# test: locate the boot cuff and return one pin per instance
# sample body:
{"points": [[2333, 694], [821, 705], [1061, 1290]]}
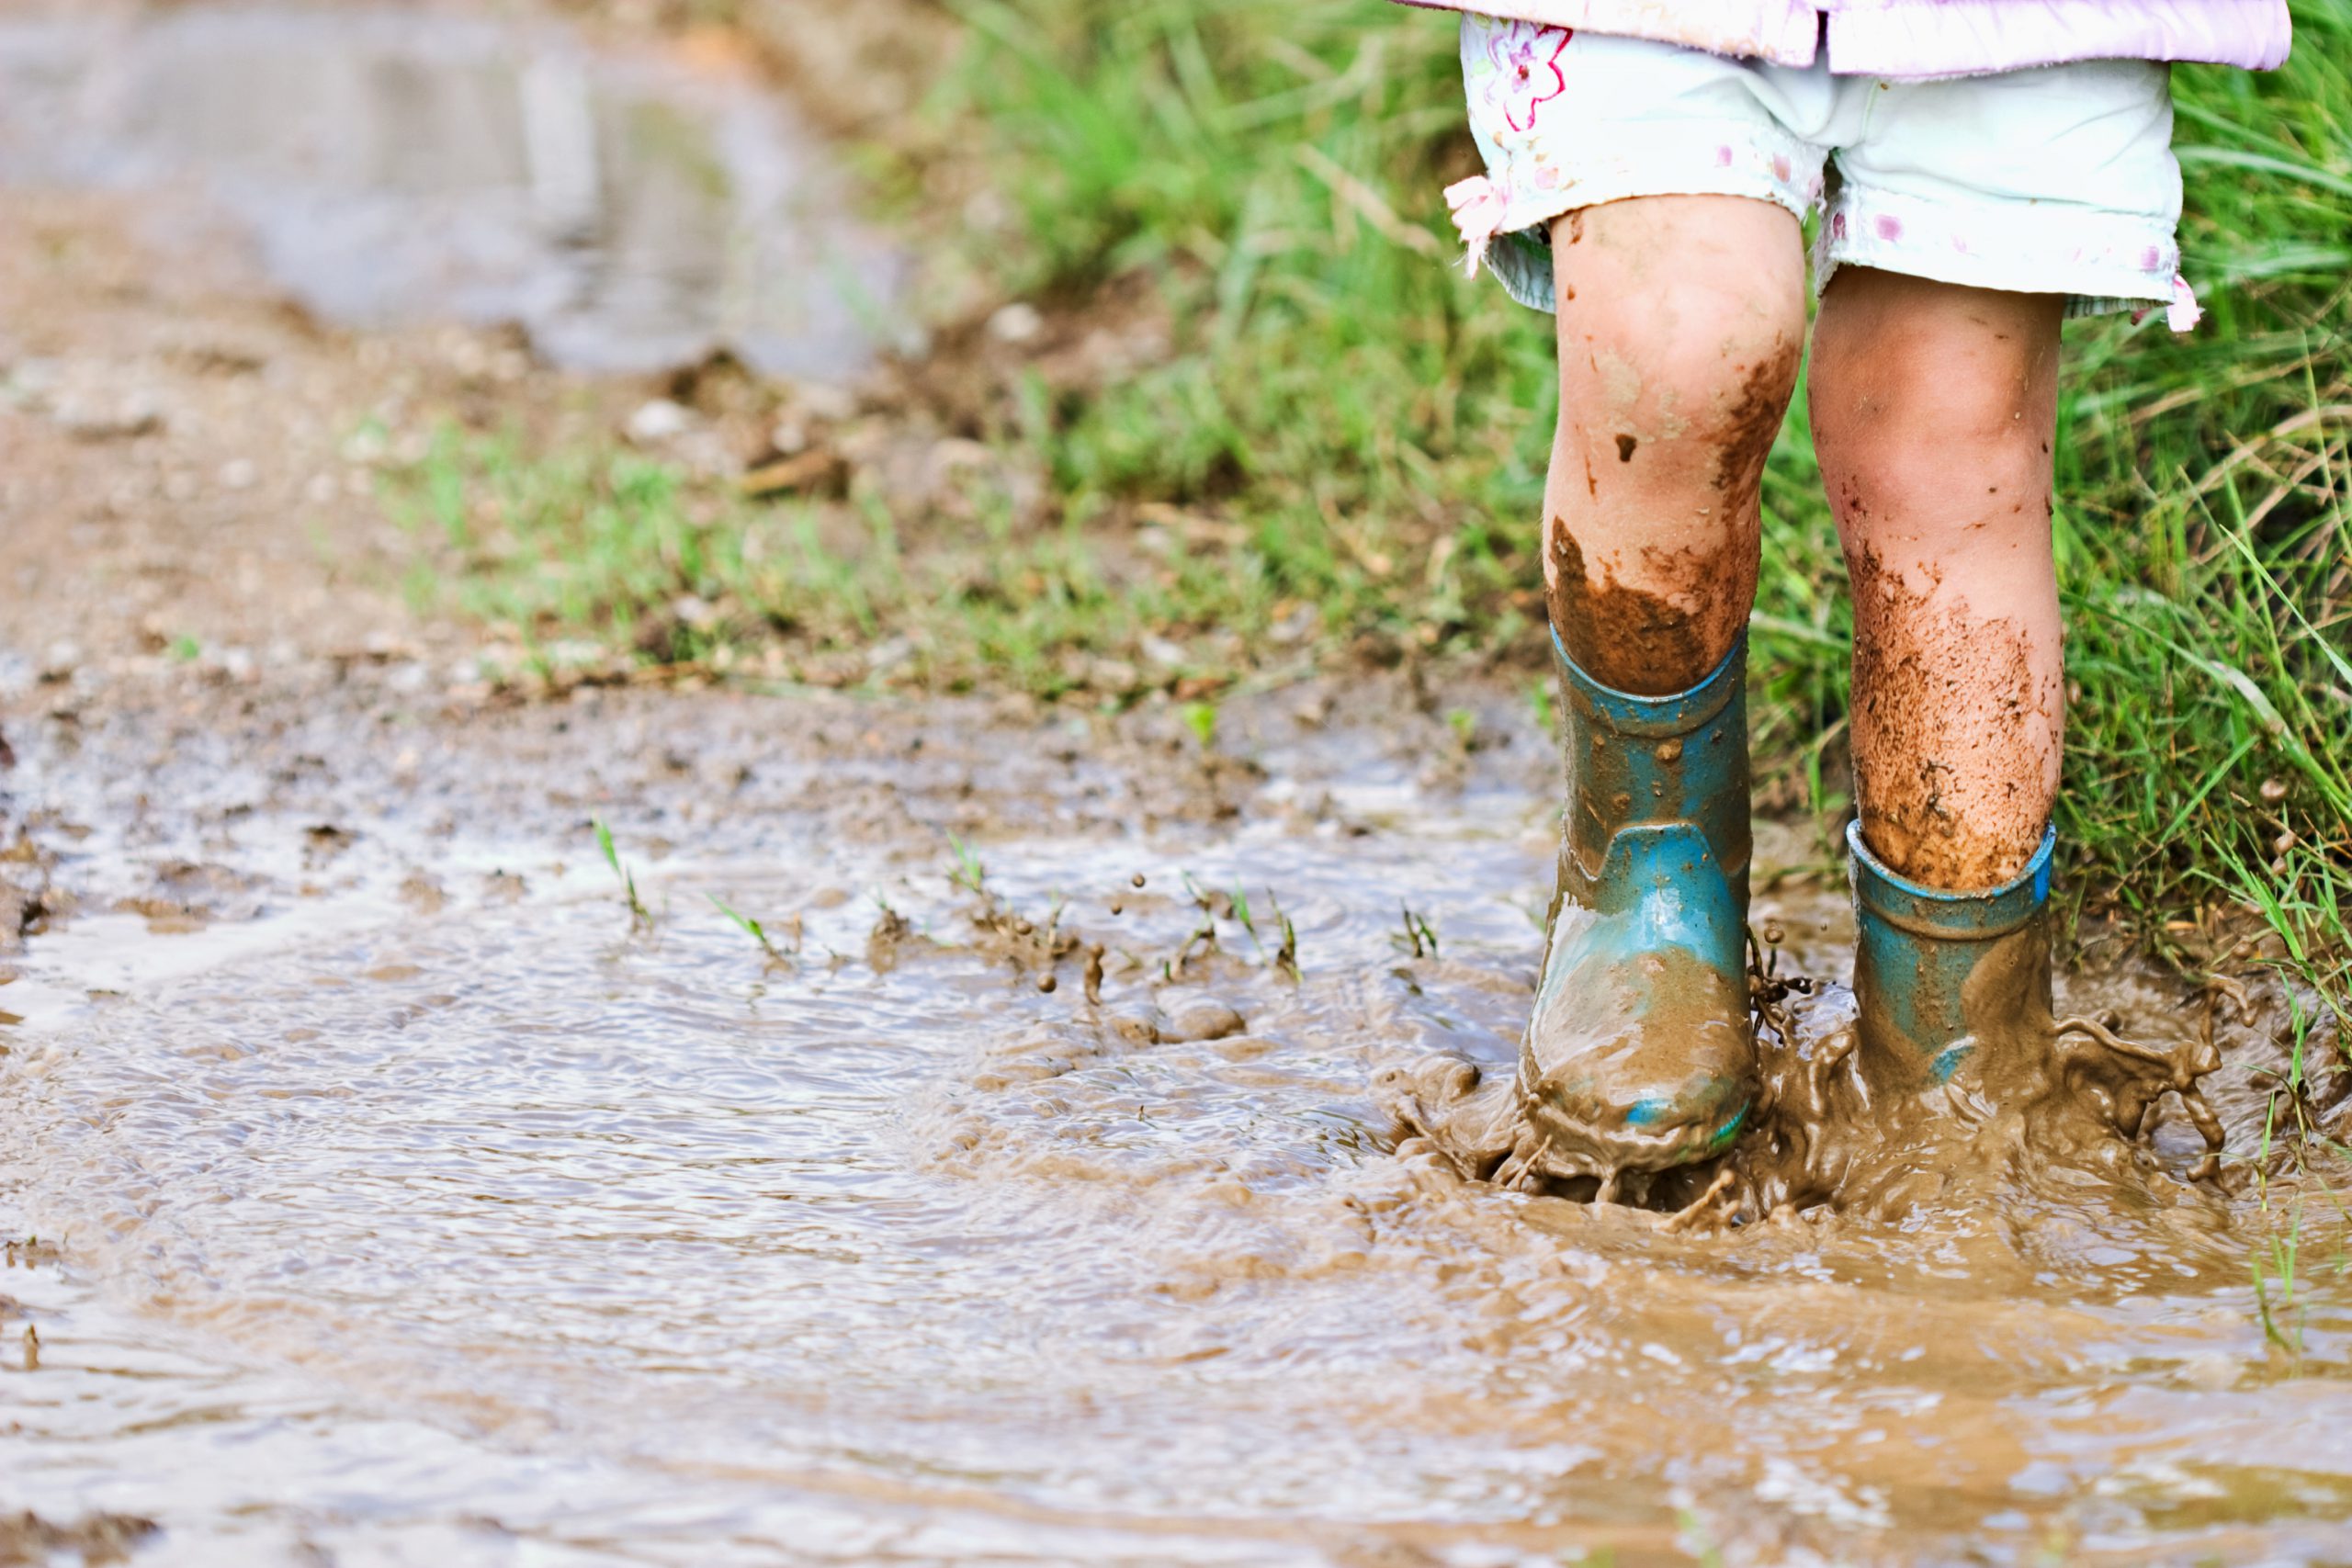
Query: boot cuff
{"points": [[1981, 915], [1626, 714]]}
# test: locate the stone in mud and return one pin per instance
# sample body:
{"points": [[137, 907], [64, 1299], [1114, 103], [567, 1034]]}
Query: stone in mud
{"points": [[129, 418], [1197, 1018], [1180, 1021]]}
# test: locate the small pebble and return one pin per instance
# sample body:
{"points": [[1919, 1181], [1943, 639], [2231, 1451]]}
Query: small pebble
{"points": [[1018, 322], [661, 419]]}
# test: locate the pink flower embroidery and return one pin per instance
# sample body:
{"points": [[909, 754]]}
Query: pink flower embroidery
{"points": [[1528, 57]]}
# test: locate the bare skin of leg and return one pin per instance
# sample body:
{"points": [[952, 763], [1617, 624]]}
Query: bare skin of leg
{"points": [[1681, 321], [1934, 407]]}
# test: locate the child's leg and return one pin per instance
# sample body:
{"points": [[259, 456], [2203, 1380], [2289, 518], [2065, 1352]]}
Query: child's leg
{"points": [[1933, 409], [1681, 325]]}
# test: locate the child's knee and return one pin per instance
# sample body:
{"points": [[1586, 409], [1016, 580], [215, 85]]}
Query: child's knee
{"points": [[1685, 393], [1935, 421], [1947, 462]]}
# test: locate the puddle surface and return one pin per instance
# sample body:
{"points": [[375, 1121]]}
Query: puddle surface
{"points": [[395, 166], [508, 1234]]}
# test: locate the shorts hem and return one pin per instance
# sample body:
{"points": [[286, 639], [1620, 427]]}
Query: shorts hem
{"points": [[1522, 259], [2102, 261], [2084, 297]]}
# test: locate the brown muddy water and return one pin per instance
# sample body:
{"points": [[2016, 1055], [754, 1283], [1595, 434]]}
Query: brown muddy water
{"points": [[376, 1190], [399, 1201], [395, 166]]}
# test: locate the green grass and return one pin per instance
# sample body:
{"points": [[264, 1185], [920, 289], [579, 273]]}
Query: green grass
{"points": [[1340, 456]]}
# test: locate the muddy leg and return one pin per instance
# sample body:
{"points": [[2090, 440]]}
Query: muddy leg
{"points": [[1681, 321], [1682, 326], [1933, 412]]}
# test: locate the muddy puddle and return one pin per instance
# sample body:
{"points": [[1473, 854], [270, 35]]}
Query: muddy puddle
{"points": [[498, 1227], [393, 166]]}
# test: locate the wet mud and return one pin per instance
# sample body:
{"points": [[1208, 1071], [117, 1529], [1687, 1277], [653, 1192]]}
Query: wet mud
{"points": [[576, 1232], [1954, 795], [1019, 1179], [1847, 1124], [1652, 644], [100, 1539], [1753, 423]]}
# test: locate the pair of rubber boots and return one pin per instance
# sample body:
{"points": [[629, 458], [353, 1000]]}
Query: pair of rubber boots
{"points": [[1641, 1054]]}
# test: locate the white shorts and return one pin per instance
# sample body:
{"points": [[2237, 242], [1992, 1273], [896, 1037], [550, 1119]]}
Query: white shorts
{"points": [[2059, 180]]}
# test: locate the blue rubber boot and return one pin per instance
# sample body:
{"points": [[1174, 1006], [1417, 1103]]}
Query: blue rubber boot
{"points": [[1640, 1055], [1938, 976]]}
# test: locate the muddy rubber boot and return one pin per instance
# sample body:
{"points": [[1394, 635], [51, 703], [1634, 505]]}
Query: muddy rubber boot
{"points": [[1939, 974], [1640, 1055]]}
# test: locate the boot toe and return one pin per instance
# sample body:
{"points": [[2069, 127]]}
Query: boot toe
{"points": [[1640, 1065], [1634, 1121]]}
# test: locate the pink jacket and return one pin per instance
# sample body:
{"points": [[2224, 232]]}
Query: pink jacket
{"points": [[1929, 37]]}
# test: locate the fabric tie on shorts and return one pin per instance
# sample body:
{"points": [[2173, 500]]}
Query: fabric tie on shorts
{"points": [[1478, 209], [2182, 314]]}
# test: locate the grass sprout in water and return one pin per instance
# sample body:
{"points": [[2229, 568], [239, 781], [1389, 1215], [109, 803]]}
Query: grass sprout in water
{"points": [[1286, 954], [1201, 719], [639, 917], [968, 873], [1419, 937], [758, 932], [2282, 1318]]}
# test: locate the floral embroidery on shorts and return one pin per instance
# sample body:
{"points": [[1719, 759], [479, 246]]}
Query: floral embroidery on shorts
{"points": [[1526, 57]]}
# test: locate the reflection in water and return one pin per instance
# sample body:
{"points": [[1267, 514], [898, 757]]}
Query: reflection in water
{"points": [[393, 166], [652, 1251]]}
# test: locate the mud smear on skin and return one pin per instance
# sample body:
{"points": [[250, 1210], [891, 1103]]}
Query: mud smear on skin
{"points": [[1645, 641], [1908, 658], [1753, 423], [1626, 637], [623, 1243]]}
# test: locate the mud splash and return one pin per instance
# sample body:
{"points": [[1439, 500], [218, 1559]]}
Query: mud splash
{"points": [[394, 167], [503, 1231], [1839, 1126]]}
